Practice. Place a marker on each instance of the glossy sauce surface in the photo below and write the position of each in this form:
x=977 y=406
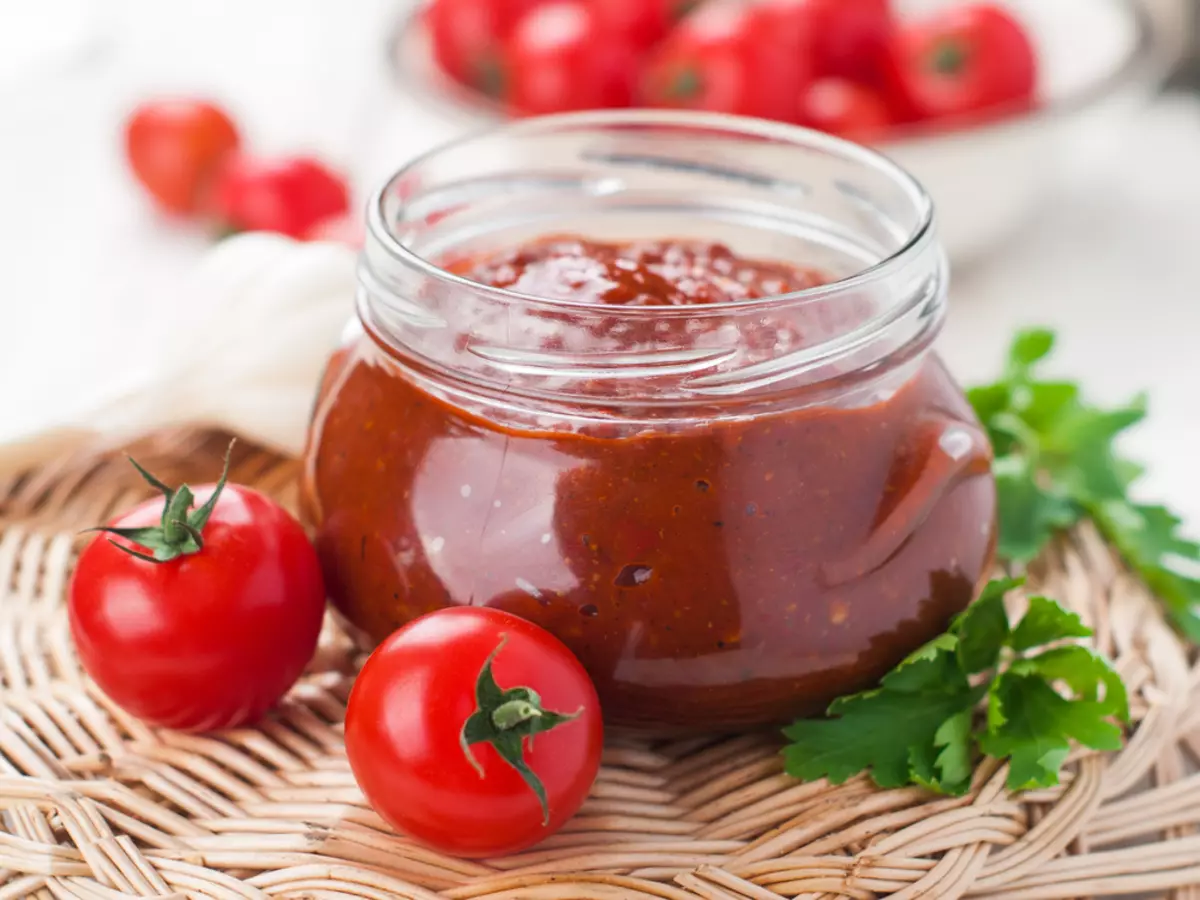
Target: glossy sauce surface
x=734 y=573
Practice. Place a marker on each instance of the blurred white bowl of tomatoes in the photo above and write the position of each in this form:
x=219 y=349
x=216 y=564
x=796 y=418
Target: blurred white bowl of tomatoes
x=976 y=99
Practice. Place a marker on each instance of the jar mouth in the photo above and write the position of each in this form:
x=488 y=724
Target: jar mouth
x=762 y=191
x=388 y=202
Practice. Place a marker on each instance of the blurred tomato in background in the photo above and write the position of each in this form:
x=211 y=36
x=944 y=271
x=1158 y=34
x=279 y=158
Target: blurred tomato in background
x=566 y=55
x=176 y=147
x=855 y=68
x=739 y=58
x=963 y=61
x=468 y=34
x=843 y=107
x=852 y=37
x=187 y=155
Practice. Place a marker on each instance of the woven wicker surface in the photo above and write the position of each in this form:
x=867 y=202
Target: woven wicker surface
x=95 y=805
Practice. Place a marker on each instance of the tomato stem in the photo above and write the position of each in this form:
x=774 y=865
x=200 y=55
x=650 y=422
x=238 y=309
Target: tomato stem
x=949 y=58
x=506 y=719
x=686 y=85
x=490 y=77
x=179 y=531
x=681 y=8
x=513 y=713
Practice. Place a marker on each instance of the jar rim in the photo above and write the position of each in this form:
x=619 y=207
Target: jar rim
x=921 y=235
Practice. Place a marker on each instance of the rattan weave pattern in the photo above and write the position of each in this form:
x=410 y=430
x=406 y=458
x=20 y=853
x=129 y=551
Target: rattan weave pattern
x=95 y=805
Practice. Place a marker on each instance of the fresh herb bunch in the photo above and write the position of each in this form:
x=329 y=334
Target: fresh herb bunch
x=921 y=726
x=1056 y=464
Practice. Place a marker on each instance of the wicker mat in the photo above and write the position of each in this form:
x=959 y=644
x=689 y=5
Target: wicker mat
x=96 y=805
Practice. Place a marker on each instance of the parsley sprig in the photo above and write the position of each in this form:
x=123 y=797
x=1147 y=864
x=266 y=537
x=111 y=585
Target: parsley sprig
x=1037 y=688
x=1056 y=464
x=1022 y=692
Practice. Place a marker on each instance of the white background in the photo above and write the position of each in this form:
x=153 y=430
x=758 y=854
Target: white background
x=88 y=274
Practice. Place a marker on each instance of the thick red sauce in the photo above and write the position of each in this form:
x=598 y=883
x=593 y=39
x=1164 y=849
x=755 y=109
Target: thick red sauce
x=727 y=575
x=647 y=273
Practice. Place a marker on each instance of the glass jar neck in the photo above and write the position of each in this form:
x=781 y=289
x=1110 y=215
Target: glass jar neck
x=682 y=177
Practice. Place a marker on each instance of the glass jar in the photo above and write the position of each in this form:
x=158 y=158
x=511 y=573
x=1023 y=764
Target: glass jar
x=731 y=512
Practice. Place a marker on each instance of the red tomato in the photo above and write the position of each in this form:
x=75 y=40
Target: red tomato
x=850 y=37
x=203 y=636
x=174 y=147
x=467 y=35
x=478 y=676
x=728 y=57
x=559 y=58
x=643 y=22
x=844 y=108
x=289 y=196
x=963 y=61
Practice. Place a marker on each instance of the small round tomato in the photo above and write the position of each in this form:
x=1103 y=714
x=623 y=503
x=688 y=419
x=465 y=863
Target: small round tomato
x=850 y=37
x=290 y=196
x=961 y=62
x=744 y=59
x=175 y=147
x=441 y=727
x=198 y=618
x=845 y=108
x=643 y=22
x=467 y=36
x=559 y=58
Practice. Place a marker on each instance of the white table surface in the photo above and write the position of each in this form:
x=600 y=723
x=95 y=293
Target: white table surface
x=88 y=274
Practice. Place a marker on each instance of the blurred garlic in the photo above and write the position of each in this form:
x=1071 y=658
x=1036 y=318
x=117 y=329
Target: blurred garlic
x=244 y=351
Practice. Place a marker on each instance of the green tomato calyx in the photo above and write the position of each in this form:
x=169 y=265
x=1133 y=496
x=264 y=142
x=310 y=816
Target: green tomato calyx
x=179 y=531
x=507 y=719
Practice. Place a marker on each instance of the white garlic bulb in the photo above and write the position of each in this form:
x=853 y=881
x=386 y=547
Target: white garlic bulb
x=244 y=351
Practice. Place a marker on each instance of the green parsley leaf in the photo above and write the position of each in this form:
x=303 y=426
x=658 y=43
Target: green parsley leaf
x=1032 y=724
x=1088 y=674
x=1032 y=737
x=879 y=729
x=1149 y=539
x=1045 y=621
x=991 y=403
x=1077 y=450
x=949 y=772
x=1145 y=531
x=1180 y=594
x=1029 y=347
x=1028 y=515
x=1044 y=403
x=930 y=667
x=982 y=628
x=1057 y=463
x=922 y=724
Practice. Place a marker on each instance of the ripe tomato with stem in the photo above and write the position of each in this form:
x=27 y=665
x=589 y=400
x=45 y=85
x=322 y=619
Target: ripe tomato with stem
x=197 y=618
x=474 y=731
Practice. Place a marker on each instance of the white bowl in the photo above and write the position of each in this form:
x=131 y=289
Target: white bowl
x=1098 y=65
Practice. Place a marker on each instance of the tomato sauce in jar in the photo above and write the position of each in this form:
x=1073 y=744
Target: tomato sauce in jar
x=662 y=383
x=715 y=571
